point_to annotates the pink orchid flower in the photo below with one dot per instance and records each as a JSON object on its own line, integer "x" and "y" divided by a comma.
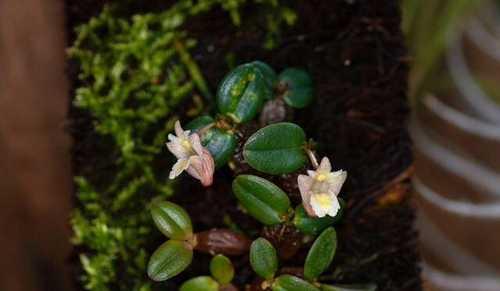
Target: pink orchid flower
{"x": 191, "y": 156}
{"x": 319, "y": 189}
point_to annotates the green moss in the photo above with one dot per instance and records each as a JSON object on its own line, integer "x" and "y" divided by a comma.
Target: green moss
{"x": 134, "y": 73}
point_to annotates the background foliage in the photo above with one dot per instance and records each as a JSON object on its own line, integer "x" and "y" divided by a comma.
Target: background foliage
{"x": 428, "y": 25}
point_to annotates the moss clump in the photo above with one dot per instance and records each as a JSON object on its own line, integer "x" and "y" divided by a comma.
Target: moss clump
{"x": 136, "y": 76}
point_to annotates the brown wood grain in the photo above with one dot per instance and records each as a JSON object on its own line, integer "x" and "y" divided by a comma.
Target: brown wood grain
{"x": 35, "y": 179}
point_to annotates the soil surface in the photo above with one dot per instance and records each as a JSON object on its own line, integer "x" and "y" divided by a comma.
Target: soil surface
{"x": 356, "y": 55}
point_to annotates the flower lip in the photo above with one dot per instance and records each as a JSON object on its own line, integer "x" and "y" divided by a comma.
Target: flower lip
{"x": 324, "y": 204}
{"x": 191, "y": 156}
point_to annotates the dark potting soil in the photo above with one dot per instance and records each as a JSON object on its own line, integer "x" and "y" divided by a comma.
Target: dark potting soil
{"x": 356, "y": 55}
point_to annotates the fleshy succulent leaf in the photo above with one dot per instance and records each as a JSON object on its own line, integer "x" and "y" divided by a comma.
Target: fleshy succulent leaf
{"x": 299, "y": 87}
{"x": 321, "y": 254}
{"x": 276, "y": 149}
{"x": 221, "y": 144}
{"x": 202, "y": 283}
{"x": 170, "y": 259}
{"x": 263, "y": 258}
{"x": 222, "y": 269}
{"x": 263, "y": 200}
{"x": 292, "y": 283}
{"x": 269, "y": 74}
{"x": 199, "y": 122}
{"x": 242, "y": 92}
{"x": 172, "y": 220}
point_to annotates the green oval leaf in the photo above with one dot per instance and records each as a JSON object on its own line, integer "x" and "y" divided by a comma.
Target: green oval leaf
{"x": 321, "y": 254}
{"x": 169, "y": 260}
{"x": 299, "y": 87}
{"x": 202, "y": 283}
{"x": 292, "y": 283}
{"x": 263, "y": 258}
{"x": 199, "y": 122}
{"x": 242, "y": 92}
{"x": 314, "y": 225}
{"x": 276, "y": 149}
{"x": 222, "y": 269}
{"x": 172, "y": 220}
{"x": 269, "y": 74}
{"x": 263, "y": 200}
{"x": 221, "y": 144}
{"x": 356, "y": 287}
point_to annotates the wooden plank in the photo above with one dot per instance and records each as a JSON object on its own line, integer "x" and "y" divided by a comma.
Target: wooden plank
{"x": 35, "y": 179}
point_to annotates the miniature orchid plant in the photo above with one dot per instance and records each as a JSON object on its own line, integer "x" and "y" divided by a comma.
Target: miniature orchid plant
{"x": 254, "y": 94}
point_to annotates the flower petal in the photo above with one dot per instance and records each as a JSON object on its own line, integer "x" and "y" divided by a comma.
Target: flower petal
{"x": 180, "y": 132}
{"x": 335, "y": 208}
{"x": 308, "y": 208}
{"x": 325, "y": 165}
{"x": 179, "y": 167}
{"x": 195, "y": 167}
{"x": 202, "y": 168}
{"x": 305, "y": 183}
{"x": 176, "y": 148}
{"x": 171, "y": 137}
{"x": 178, "y": 129}
{"x": 194, "y": 139}
{"x": 311, "y": 173}
{"x": 335, "y": 181}
{"x": 324, "y": 204}
{"x": 209, "y": 169}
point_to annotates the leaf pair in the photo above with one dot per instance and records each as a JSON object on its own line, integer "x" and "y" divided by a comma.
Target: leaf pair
{"x": 264, "y": 261}
{"x": 222, "y": 273}
{"x": 243, "y": 91}
{"x": 175, "y": 255}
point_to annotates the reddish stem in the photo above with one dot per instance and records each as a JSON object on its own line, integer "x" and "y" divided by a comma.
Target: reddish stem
{"x": 222, "y": 241}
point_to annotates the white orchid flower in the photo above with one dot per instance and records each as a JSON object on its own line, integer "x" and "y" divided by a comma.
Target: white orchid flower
{"x": 319, "y": 189}
{"x": 191, "y": 156}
